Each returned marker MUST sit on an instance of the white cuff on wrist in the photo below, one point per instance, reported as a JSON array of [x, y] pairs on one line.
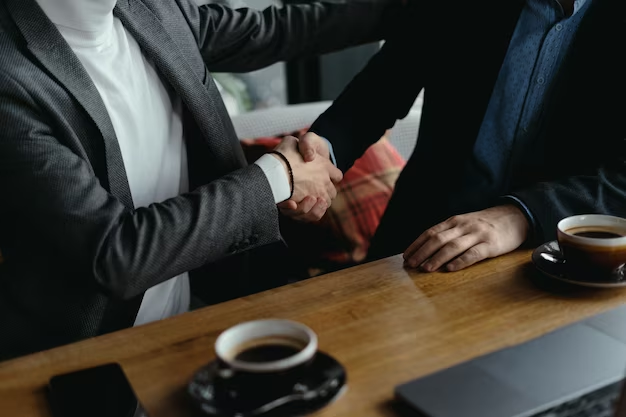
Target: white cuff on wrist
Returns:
[[276, 176]]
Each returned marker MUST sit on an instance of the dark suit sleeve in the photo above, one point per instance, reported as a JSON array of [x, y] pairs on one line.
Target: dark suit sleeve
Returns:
[[603, 192], [381, 93], [51, 196], [246, 39]]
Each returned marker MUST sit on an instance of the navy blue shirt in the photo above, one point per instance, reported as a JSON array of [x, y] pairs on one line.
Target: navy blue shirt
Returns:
[[507, 137]]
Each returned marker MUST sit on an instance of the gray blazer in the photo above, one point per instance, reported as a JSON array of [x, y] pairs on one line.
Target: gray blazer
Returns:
[[78, 255]]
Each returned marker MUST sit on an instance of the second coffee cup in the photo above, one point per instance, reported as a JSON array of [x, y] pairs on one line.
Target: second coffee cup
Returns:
[[593, 245]]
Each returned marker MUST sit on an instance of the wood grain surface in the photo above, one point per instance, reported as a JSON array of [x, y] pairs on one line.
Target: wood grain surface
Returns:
[[385, 323]]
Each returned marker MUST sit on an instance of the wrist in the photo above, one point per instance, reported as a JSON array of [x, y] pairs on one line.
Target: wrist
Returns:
[[533, 226], [287, 167], [282, 162], [519, 219]]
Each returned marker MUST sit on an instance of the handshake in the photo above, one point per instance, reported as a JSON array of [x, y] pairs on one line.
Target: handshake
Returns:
[[314, 178]]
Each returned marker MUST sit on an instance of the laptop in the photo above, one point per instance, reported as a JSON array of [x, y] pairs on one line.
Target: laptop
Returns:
[[576, 371]]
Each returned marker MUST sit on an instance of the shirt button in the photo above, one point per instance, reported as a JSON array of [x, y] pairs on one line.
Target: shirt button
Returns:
[[540, 80], [558, 27]]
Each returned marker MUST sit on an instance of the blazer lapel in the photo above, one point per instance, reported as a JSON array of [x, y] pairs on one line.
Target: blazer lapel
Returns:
[[48, 46], [206, 106]]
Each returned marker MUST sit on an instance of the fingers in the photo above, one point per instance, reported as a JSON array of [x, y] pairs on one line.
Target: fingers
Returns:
[[307, 147], [474, 254], [452, 249], [288, 205], [311, 145], [335, 174], [316, 212], [429, 234], [431, 246], [332, 192], [304, 206], [309, 209]]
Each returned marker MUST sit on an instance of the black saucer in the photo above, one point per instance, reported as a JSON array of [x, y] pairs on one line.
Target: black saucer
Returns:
[[549, 260], [323, 383]]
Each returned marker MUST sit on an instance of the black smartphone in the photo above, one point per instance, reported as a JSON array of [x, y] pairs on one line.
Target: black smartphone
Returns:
[[102, 391]]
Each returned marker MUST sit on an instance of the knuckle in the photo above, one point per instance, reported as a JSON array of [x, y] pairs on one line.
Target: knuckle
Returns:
[[431, 234], [491, 236], [473, 254], [455, 219], [439, 238], [454, 245]]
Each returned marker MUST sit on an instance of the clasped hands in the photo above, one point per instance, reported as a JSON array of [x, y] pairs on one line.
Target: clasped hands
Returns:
[[314, 179]]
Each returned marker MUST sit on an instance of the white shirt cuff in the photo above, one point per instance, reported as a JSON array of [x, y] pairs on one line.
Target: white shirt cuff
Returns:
[[276, 176]]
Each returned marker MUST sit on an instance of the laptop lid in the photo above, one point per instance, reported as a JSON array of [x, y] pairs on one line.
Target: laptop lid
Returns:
[[526, 379]]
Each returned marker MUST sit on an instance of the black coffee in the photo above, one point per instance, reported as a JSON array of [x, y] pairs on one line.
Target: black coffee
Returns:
[[268, 349], [598, 235], [266, 353], [595, 232]]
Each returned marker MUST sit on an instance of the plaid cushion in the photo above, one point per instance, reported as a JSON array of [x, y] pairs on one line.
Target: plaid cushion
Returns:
[[362, 198], [341, 238]]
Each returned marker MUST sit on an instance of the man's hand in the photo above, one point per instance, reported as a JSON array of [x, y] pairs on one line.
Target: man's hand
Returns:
[[463, 240], [312, 145], [308, 209], [314, 183]]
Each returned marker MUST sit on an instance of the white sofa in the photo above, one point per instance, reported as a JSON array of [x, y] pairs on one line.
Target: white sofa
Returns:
[[283, 119]]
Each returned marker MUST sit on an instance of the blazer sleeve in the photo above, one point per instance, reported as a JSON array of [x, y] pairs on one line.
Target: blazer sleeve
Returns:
[[603, 191], [246, 39], [54, 201], [383, 92]]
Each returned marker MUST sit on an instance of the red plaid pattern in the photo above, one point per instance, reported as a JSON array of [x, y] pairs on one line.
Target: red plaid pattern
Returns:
[[362, 198], [342, 237]]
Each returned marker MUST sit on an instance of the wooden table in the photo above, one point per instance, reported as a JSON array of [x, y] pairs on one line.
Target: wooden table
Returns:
[[386, 324]]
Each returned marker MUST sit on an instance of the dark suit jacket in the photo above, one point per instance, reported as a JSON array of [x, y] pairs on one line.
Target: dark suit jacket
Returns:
[[78, 255], [454, 50]]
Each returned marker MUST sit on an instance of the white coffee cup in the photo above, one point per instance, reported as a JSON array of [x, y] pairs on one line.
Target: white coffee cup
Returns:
[[235, 341], [593, 245]]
